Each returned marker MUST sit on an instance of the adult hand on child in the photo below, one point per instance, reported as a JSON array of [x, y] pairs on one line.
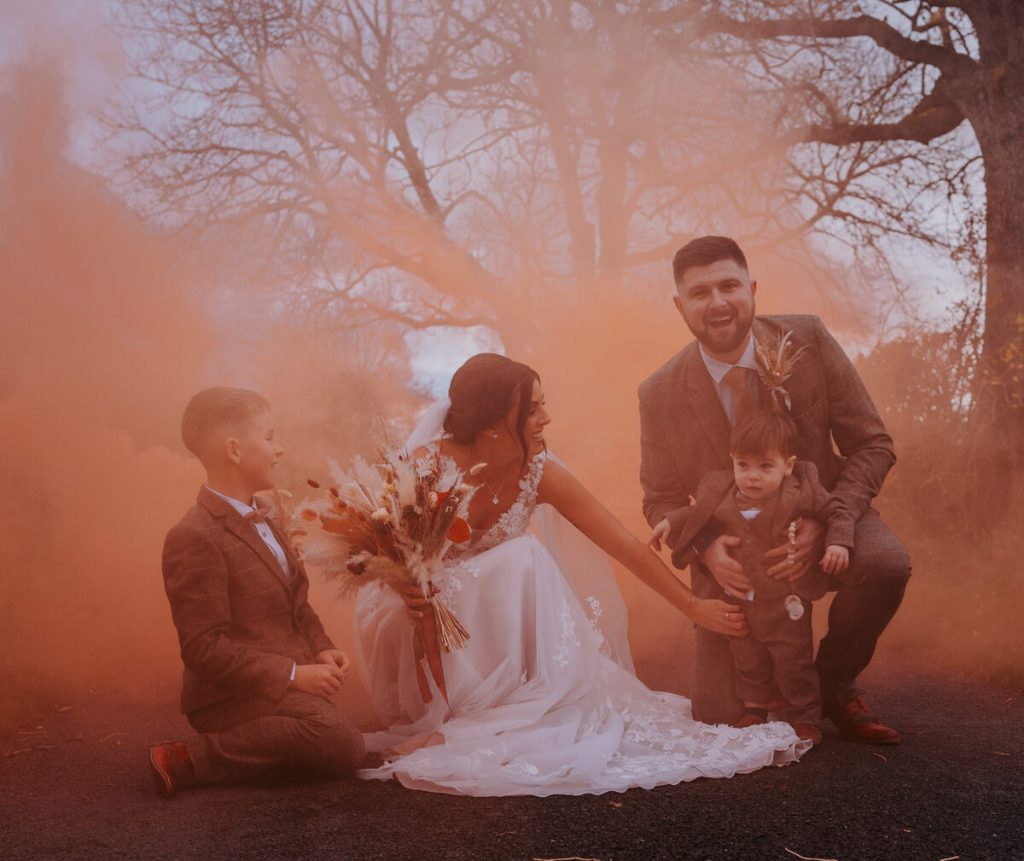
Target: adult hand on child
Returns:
[[725, 568], [809, 535], [720, 617]]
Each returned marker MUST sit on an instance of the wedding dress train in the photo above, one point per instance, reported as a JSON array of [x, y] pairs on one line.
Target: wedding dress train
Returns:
[[541, 700]]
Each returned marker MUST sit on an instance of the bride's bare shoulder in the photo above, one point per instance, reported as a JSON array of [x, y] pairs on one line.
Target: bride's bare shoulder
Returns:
[[557, 484]]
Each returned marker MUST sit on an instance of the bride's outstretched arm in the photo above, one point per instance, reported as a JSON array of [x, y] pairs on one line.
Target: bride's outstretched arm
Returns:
[[575, 503]]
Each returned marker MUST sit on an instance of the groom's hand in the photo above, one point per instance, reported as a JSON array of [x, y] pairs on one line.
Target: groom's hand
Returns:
[[321, 680], [809, 536], [335, 658], [725, 568]]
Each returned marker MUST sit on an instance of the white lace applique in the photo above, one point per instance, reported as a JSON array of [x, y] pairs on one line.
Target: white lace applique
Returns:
[[516, 519], [569, 639], [595, 624]]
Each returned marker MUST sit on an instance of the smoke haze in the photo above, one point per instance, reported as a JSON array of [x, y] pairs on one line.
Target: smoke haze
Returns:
[[110, 324]]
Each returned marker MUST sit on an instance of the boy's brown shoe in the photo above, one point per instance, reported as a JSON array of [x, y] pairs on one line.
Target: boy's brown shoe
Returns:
[[171, 767], [856, 722]]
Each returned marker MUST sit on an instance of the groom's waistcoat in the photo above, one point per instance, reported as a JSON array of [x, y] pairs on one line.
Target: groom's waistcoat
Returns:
[[241, 620], [684, 432]]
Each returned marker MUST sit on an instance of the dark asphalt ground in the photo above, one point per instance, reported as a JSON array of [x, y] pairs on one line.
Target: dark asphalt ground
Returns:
[[953, 789]]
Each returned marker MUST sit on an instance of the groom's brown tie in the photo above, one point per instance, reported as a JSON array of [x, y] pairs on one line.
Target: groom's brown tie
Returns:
[[743, 382]]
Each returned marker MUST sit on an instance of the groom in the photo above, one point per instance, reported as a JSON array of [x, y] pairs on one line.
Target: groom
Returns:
[[686, 410]]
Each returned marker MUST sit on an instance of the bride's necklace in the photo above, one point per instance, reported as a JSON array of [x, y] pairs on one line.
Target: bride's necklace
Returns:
[[496, 494]]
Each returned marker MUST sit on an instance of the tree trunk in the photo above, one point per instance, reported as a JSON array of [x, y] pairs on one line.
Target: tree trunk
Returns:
[[994, 104]]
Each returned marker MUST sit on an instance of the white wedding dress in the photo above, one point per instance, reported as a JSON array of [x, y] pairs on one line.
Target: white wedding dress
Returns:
[[542, 698]]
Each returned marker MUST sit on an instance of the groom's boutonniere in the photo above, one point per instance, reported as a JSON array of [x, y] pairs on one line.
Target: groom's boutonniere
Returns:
[[776, 363]]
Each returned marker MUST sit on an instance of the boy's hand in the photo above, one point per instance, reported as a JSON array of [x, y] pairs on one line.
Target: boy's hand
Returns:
[[335, 658], [726, 569], [836, 559], [321, 680], [659, 534], [808, 535]]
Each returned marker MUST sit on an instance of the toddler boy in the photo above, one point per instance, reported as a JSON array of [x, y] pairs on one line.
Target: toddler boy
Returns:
[[758, 503]]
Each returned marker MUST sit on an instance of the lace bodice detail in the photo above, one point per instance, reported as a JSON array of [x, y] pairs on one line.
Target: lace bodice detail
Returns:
[[516, 519]]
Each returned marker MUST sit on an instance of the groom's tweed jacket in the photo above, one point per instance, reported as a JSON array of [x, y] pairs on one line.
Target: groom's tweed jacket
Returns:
[[684, 432], [241, 620]]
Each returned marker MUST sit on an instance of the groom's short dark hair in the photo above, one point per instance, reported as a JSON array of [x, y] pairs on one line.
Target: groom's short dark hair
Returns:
[[704, 251]]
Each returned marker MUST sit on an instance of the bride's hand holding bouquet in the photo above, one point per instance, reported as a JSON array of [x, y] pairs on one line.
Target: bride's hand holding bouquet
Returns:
[[393, 521]]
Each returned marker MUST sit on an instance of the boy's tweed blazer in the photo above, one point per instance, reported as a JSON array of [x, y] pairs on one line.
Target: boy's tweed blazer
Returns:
[[241, 620], [684, 432]]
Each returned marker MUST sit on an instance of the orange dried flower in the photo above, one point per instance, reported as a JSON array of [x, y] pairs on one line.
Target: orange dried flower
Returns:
[[460, 531]]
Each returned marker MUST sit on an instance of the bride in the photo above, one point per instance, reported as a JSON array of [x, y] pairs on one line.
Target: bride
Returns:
[[542, 699]]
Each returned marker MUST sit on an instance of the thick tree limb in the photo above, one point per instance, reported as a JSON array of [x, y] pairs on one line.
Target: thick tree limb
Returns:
[[935, 115], [948, 61]]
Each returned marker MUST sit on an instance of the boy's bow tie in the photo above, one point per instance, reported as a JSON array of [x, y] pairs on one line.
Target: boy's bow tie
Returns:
[[258, 515]]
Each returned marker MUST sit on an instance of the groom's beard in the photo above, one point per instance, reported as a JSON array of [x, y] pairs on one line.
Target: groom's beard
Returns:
[[725, 338]]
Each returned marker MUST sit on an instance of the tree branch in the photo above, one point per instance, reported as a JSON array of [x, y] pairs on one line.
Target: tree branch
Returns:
[[948, 61], [937, 114]]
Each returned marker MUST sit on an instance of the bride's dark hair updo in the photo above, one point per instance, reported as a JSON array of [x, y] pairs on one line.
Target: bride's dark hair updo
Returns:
[[482, 392]]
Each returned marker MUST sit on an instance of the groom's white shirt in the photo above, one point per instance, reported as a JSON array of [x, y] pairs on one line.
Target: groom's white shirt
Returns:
[[265, 533], [718, 370]]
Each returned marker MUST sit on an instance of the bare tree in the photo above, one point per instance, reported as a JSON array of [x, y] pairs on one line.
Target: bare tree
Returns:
[[909, 76], [450, 162]]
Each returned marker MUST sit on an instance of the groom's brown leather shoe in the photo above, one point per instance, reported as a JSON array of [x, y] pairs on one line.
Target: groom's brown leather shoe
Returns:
[[171, 767], [856, 722]]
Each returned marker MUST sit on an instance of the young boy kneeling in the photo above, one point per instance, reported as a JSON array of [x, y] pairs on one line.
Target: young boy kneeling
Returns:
[[259, 668]]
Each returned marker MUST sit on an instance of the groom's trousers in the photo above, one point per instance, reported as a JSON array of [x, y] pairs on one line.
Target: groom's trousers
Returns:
[[861, 610], [245, 737]]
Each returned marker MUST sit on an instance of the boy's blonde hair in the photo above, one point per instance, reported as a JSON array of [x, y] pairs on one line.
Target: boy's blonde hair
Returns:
[[213, 414]]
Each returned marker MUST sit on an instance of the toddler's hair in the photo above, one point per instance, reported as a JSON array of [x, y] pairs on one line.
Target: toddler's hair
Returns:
[[764, 433], [217, 409]]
